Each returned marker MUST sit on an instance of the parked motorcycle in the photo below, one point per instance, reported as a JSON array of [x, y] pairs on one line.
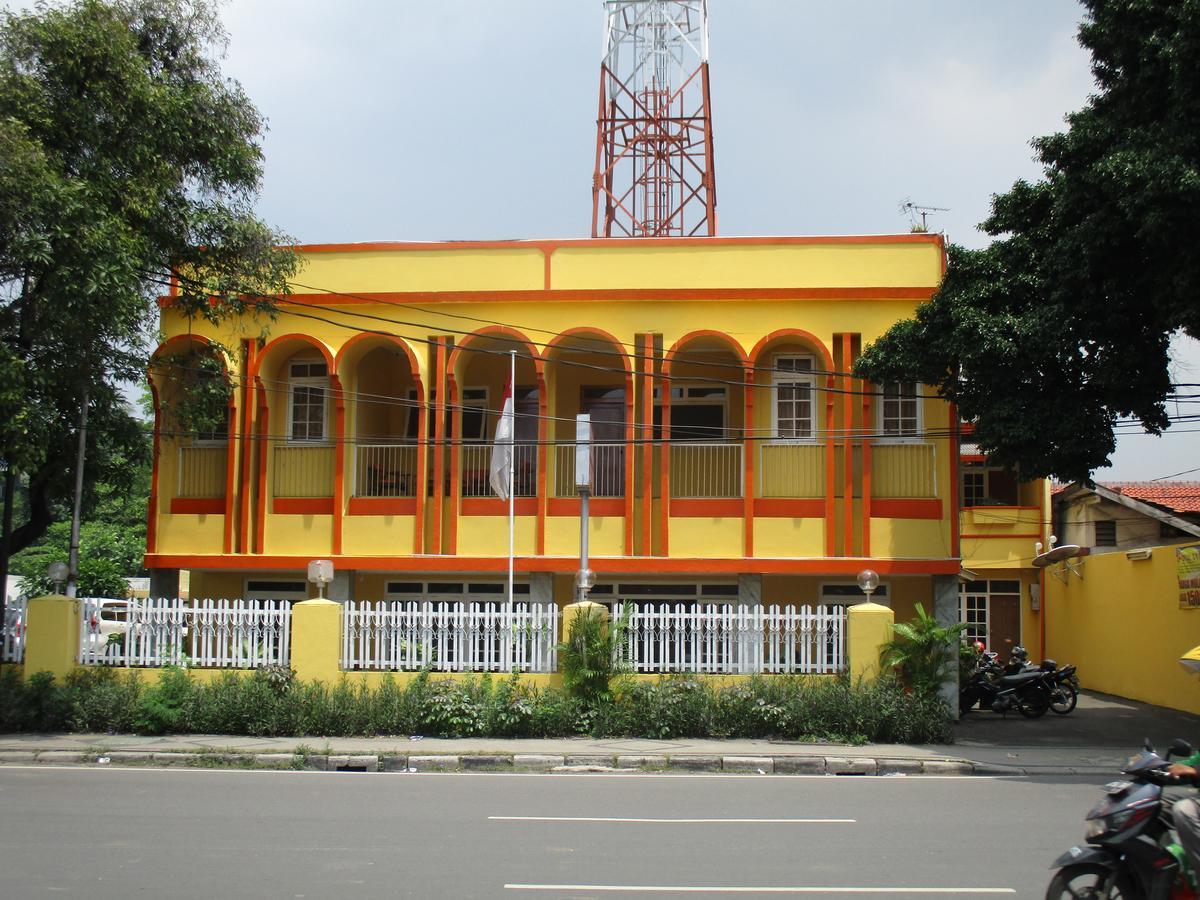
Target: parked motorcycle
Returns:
[[1131, 850], [1029, 692], [1064, 685]]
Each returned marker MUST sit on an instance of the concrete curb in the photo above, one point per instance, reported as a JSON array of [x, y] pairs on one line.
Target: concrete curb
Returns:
[[520, 762]]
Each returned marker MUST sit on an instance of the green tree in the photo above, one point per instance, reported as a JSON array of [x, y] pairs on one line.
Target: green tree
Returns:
[[922, 652], [125, 156], [1061, 325]]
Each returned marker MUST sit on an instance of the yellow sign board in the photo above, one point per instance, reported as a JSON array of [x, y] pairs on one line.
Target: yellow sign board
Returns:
[[1187, 560]]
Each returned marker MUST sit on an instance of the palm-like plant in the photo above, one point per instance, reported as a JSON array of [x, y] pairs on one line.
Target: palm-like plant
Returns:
[[590, 656], [922, 652]]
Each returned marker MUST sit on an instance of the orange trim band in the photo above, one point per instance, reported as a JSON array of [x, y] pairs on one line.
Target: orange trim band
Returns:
[[720, 508], [494, 506], [788, 508], [302, 506], [597, 506], [598, 243], [382, 506], [1002, 536], [640, 565], [910, 508], [198, 506]]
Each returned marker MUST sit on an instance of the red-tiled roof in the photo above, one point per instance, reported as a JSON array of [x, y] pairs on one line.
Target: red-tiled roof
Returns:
[[1179, 496]]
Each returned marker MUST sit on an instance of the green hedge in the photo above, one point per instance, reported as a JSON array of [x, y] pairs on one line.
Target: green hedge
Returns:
[[271, 702]]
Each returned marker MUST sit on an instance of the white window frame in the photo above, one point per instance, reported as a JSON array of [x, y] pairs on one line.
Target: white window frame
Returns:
[[918, 435], [778, 377], [294, 381], [881, 595], [681, 395]]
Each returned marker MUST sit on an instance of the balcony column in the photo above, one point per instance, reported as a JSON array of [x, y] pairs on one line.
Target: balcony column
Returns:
[[749, 443], [439, 442], [263, 449], [868, 418], [152, 504], [245, 439], [231, 448], [164, 583], [629, 461], [664, 475], [543, 451], [455, 462]]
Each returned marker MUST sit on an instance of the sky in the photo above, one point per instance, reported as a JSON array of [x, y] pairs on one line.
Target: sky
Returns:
[[466, 119]]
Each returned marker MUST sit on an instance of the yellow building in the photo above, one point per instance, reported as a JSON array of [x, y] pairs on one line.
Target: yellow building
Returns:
[[735, 459]]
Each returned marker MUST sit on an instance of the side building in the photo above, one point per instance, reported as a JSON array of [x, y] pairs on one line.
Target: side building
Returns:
[[735, 460]]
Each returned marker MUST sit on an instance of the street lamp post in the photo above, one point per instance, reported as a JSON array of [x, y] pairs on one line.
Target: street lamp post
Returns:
[[868, 581]]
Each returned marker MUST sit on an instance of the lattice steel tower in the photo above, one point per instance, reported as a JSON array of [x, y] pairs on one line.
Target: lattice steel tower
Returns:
[[654, 145]]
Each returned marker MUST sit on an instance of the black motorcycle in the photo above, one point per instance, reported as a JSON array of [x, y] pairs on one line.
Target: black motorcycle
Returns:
[[1028, 691], [1063, 683], [1131, 850]]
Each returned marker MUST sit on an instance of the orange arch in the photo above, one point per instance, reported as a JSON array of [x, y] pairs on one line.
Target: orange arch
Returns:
[[807, 336], [413, 365], [556, 342], [705, 332], [494, 331], [180, 339], [295, 336]]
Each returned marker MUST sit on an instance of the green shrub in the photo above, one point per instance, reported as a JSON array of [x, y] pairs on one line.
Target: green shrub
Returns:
[[586, 657], [163, 706], [100, 699], [923, 652]]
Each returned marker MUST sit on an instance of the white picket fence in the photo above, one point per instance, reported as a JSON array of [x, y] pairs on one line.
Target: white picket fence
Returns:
[[203, 633], [449, 636], [12, 642], [721, 638]]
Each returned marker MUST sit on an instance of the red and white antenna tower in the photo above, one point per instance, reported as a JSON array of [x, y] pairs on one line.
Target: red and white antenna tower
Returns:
[[654, 143]]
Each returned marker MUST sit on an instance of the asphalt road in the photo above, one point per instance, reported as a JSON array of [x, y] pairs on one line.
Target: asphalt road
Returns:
[[213, 834]]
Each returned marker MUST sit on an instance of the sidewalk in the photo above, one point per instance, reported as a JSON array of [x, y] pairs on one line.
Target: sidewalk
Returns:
[[1093, 740]]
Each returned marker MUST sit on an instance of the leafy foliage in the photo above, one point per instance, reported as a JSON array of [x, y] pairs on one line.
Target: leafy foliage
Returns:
[[587, 657], [923, 652], [125, 155], [260, 703], [107, 554], [1061, 326]]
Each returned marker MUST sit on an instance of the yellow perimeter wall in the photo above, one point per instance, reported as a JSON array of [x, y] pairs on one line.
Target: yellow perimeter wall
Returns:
[[1122, 625]]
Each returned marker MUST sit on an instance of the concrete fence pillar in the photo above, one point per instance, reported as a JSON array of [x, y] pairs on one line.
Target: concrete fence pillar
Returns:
[[51, 635], [572, 611], [868, 628], [317, 640]]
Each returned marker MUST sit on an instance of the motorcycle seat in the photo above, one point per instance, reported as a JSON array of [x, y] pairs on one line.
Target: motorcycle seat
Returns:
[[1022, 678]]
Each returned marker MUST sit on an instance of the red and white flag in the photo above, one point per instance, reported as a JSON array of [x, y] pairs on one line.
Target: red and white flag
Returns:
[[500, 471]]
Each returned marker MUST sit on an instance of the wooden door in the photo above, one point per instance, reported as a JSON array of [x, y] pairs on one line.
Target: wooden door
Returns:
[[1004, 624]]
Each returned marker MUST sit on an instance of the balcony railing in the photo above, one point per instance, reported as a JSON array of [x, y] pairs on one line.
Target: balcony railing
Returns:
[[608, 470], [202, 471], [385, 470], [302, 471], [476, 464], [791, 470], [903, 470], [706, 470]]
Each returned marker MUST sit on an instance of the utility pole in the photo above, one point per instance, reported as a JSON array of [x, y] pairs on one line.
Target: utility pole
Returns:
[[585, 580], [73, 560]]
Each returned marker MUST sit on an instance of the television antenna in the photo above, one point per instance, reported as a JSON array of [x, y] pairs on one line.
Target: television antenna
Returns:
[[915, 209]]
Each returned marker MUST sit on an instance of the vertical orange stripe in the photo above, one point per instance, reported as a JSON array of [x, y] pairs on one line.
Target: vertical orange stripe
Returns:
[[439, 442], [646, 432], [455, 463], [152, 504], [422, 473], [847, 448], [339, 462], [830, 468], [664, 473], [546, 253], [868, 413], [543, 453], [748, 446], [628, 473], [230, 472], [955, 453], [249, 355], [264, 433]]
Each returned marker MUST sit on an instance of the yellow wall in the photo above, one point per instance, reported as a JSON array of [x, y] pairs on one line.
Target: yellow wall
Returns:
[[1121, 624], [909, 538], [789, 537], [718, 538], [378, 535], [606, 536]]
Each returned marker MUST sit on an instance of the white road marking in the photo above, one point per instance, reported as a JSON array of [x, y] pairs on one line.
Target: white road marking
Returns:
[[709, 889], [670, 821]]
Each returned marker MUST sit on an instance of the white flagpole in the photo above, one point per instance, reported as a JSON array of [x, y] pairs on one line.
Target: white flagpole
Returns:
[[512, 489]]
